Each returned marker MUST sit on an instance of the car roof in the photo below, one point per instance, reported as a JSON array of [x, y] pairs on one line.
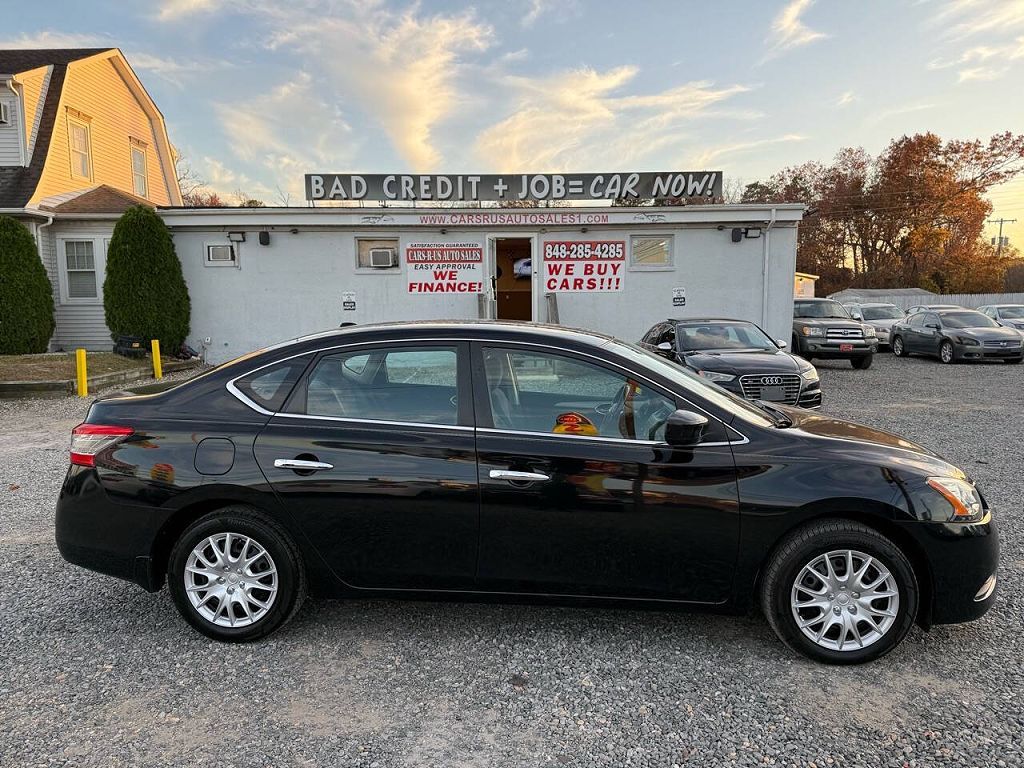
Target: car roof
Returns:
[[708, 320], [946, 310], [1001, 306], [874, 304]]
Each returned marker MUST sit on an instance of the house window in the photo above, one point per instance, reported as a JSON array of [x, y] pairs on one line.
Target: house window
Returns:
[[5, 114], [139, 178], [218, 255], [81, 149], [376, 254], [80, 268], [652, 252]]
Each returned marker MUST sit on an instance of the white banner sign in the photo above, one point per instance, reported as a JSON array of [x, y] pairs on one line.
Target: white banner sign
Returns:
[[584, 266], [444, 267]]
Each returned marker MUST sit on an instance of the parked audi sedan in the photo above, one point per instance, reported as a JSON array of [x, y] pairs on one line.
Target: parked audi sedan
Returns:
[[879, 316], [738, 356], [953, 335], [456, 458]]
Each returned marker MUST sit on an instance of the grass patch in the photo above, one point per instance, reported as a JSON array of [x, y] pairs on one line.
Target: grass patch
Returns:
[[61, 366]]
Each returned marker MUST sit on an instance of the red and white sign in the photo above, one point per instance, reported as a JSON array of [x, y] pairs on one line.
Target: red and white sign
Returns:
[[445, 267], [584, 265]]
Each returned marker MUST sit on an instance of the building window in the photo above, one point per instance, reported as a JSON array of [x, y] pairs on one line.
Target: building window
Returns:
[[81, 149], [376, 254], [80, 268], [139, 178], [652, 252], [221, 255], [5, 114]]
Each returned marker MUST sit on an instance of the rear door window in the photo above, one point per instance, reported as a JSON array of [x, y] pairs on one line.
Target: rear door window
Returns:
[[269, 387], [412, 385]]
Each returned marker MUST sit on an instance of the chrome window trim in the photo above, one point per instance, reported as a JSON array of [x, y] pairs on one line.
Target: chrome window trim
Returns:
[[236, 392], [382, 422], [602, 438]]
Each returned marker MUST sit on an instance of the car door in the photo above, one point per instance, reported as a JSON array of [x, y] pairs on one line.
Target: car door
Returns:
[[931, 337], [913, 340], [579, 493], [374, 457]]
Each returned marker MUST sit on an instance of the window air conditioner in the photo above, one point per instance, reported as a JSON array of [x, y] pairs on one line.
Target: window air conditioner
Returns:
[[383, 258]]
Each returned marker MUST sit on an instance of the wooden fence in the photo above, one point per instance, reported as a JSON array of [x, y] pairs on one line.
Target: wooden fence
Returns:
[[970, 300]]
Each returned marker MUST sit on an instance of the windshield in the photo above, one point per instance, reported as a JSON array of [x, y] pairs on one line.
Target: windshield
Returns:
[[694, 384], [699, 337], [820, 309], [882, 313], [968, 320], [1012, 313]]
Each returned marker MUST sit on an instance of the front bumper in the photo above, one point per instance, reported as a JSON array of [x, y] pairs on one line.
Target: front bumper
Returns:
[[980, 352], [963, 559], [809, 397], [814, 346]]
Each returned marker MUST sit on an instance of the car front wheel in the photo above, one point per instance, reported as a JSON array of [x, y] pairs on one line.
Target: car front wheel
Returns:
[[897, 347], [235, 575], [839, 592], [946, 354]]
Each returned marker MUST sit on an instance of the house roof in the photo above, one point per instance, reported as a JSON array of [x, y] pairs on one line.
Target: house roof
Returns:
[[101, 199], [17, 184]]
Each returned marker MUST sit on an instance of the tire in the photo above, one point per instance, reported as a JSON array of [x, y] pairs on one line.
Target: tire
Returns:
[[280, 593], [898, 348], [796, 348], [1016, 361], [786, 575], [862, 363], [947, 354]]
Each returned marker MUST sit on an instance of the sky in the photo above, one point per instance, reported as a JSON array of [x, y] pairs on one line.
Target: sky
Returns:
[[257, 93]]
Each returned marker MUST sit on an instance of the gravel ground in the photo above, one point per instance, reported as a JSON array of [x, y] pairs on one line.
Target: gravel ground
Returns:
[[95, 672]]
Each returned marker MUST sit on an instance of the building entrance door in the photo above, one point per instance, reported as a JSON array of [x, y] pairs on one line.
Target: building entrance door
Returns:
[[512, 282]]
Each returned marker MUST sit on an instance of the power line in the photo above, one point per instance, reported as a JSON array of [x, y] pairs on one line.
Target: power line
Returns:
[[999, 242]]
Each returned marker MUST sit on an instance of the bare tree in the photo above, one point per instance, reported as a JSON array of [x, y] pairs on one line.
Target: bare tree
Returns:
[[189, 180]]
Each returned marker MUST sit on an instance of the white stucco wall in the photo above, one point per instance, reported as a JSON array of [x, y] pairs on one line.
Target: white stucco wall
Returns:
[[295, 285]]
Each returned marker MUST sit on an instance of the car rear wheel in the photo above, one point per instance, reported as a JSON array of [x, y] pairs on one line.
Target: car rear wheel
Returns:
[[235, 575], [946, 352], [897, 347], [862, 363], [839, 592]]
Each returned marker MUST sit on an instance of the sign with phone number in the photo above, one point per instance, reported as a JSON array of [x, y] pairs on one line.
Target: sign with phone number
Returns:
[[575, 266]]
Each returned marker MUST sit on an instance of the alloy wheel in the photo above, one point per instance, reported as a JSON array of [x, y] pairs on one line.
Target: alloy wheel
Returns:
[[845, 600], [897, 346], [946, 352], [231, 580]]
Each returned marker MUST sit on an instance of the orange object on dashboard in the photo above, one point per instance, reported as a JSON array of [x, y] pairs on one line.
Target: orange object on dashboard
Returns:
[[573, 423]]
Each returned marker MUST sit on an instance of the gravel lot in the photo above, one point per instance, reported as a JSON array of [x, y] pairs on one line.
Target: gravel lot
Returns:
[[95, 672]]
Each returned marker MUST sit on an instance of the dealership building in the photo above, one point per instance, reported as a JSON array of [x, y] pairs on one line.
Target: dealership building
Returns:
[[260, 275]]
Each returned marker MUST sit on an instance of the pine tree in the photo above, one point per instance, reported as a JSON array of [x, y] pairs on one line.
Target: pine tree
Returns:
[[26, 297]]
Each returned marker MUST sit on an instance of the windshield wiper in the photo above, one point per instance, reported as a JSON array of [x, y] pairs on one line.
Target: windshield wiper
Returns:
[[779, 417]]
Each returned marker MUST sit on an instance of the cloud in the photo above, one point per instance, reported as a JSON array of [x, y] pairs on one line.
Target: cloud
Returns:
[[981, 73], [537, 9], [990, 61], [888, 114], [712, 156], [789, 31], [846, 99], [967, 18], [287, 131], [402, 68], [573, 120], [49, 38], [174, 10]]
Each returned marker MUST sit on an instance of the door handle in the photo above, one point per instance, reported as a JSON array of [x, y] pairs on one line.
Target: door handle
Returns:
[[301, 464], [516, 476]]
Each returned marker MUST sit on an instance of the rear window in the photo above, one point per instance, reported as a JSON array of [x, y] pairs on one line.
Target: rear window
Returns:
[[270, 386]]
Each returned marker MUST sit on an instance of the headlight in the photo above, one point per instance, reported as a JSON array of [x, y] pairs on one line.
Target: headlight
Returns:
[[869, 332], [712, 376], [809, 330], [967, 341], [880, 329], [811, 374], [962, 496]]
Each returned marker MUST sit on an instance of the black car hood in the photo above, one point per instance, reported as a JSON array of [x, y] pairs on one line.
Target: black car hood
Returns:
[[986, 334], [857, 441], [739, 363]]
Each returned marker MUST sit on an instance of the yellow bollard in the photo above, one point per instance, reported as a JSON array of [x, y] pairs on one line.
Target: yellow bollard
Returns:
[[158, 369], [81, 375]]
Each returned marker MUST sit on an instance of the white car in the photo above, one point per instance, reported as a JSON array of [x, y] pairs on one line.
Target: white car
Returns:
[[1010, 315], [879, 316]]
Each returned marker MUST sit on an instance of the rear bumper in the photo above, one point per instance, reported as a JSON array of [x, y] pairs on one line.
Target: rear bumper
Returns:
[[99, 534], [964, 559]]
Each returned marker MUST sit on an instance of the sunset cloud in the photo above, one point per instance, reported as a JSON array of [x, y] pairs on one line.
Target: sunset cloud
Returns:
[[789, 31]]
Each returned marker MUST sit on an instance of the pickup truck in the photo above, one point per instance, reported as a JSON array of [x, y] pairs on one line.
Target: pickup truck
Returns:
[[824, 329]]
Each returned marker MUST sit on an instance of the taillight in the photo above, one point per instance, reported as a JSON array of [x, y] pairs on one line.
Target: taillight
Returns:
[[87, 440]]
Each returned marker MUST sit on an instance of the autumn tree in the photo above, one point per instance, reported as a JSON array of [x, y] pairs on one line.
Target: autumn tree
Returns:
[[911, 217]]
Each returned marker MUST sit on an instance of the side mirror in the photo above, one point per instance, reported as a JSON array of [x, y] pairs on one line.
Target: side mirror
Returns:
[[781, 344], [666, 349], [685, 429], [935, 326]]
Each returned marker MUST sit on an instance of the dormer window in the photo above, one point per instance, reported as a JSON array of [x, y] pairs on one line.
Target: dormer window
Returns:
[[80, 146], [140, 178]]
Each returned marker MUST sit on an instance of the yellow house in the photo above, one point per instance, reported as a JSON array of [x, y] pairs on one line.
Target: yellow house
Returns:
[[80, 142], [803, 285]]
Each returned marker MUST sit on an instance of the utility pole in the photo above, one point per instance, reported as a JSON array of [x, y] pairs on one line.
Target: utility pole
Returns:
[[999, 240]]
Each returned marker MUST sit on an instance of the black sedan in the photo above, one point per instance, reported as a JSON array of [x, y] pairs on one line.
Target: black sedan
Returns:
[[488, 459], [739, 356], [953, 335]]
